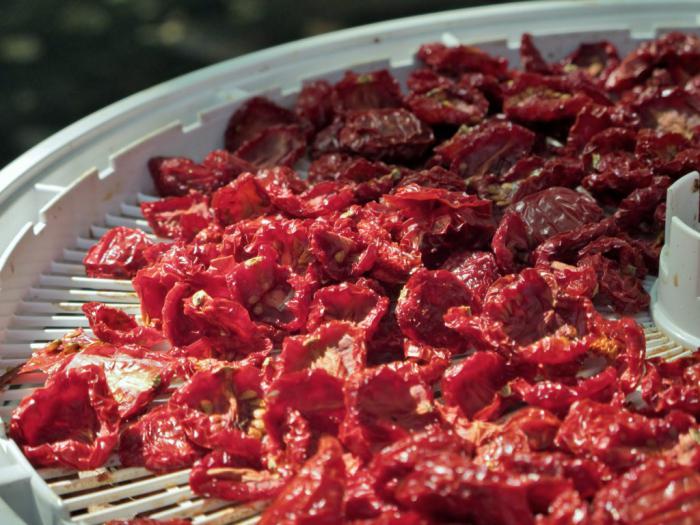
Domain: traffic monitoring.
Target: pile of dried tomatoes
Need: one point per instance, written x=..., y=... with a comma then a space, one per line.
x=410, y=334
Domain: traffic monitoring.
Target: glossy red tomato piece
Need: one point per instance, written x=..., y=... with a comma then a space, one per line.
x=118, y=254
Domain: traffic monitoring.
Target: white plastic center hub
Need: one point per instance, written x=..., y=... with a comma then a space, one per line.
x=675, y=298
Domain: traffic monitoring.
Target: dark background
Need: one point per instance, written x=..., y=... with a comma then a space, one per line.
x=63, y=59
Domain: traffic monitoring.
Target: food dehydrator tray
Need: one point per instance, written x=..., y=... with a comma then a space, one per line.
x=59, y=198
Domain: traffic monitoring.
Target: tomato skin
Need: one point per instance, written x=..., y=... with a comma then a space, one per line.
x=118, y=254
x=315, y=494
x=72, y=422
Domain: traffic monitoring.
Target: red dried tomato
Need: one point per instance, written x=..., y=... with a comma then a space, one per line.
x=274, y=146
x=385, y=134
x=477, y=270
x=449, y=105
x=116, y=327
x=118, y=254
x=616, y=436
x=218, y=409
x=228, y=476
x=491, y=147
x=178, y=217
x=314, y=105
x=336, y=347
x=461, y=59
x=656, y=492
x=177, y=176
x=423, y=303
x=384, y=404
x=537, y=98
x=158, y=442
x=363, y=91
x=315, y=494
x=473, y=385
x=255, y=116
x=356, y=303
x=73, y=421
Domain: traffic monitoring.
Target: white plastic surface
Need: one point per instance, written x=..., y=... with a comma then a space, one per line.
x=675, y=303
x=62, y=195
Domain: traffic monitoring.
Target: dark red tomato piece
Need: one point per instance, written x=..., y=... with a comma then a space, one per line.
x=658, y=492
x=178, y=217
x=423, y=303
x=449, y=105
x=219, y=409
x=435, y=177
x=274, y=146
x=511, y=244
x=384, y=404
x=473, y=384
x=477, y=270
x=118, y=254
x=355, y=303
x=385, y=134
x=424, y=79
x=336, y=347
x=314, y=106
x=616, y=436
x=670, y=111
x=158, y=442
x=636, y=211
x=287, y=240
x=596, y=59
x=341, y=252
x=315, y=495
x=72, y=422
x=242, y=199
x=451, y=486
x=228, y=476
x=117, y=327
x=177, y=176
x=536, y=98
x=272, y=293
x=489, y=148
x=134, y=376
x=256, y=115
x=675, y=50
x=531, y=59
x=461, y=59
x=555, y=210
x=363, y=91
x=315, y=395
x=594, y=118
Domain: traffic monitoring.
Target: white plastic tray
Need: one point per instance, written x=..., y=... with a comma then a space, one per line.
x=60, y=196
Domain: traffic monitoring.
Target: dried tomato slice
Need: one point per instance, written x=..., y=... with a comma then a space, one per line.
x=356, y=303
x=472, y=385
x=384, y=404
x=219, y=409
x=274, y=146
x=363, y=91
x=385, y=134
x=73, y=421
x=336, y=347
x=449, y=105
x=117, y=327
x=321, y=478
x=656, y=492
x=423, y=302
x=177, y=176
x=158, y=442
x=256, y=115
x=272, y=293
x=118, y=254
x=228, y=476
x=242, y=199
x=178, y=217
x=314, y=105
x=616, y=436
x=461, y=59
